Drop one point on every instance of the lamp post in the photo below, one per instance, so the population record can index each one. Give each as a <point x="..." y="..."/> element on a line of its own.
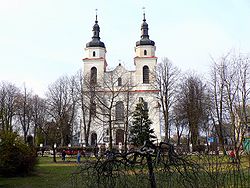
<point x="69" y="146"/>
<point x="54" y="152"/>
<point x="41" y="148"/>
<point x="99" y="150"/>
<point x="120" y="147"/>
<point x="191" y="148"/>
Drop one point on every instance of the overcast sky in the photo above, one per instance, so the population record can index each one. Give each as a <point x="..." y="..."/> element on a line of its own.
<point x="40" y="40"/>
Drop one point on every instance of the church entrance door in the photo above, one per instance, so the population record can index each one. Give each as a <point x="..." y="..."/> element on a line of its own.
<point x="119" y="136"/>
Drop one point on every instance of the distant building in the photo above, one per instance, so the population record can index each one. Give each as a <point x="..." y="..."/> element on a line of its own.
<point x="139" y="83"/>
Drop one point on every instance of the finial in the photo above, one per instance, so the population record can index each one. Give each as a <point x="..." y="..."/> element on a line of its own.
<point x="96" y="15"/>
<point x="143" y="8"/>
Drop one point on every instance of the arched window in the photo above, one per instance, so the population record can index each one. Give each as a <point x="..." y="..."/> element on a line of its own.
<point x="145" y="74"/>
<point x="93" y="53"/>
<point x="93" y="140"/>
<point x="119" y="81"/>
<point x="93" y="75"/>
<point x="119" y="111"/>
<point x="93" y="109"/>
<point x="145" y="105"/>
<point x="145" y="52"/>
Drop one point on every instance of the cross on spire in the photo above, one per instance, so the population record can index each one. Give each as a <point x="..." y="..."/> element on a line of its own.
<point x="96" y="15"/>
<point x="143" y="8"/>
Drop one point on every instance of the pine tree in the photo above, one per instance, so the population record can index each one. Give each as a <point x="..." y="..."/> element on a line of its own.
<point x="140" y="130"/>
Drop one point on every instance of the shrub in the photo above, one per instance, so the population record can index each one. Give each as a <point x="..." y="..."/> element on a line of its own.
<point x="16" y="158"/>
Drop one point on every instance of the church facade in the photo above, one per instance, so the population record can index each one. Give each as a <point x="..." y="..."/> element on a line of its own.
<point x="118" y="91"/>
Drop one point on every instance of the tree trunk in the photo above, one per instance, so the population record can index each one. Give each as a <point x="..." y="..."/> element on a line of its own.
<point x="151" y="171"/>
<point x="110" y="131"/>
<point x="166" y="117"/>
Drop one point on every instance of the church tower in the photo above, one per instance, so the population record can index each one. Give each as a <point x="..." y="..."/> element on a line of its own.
<point x="145" y="63"/>
<point x="145" y="60"/>
<point x="95" y="56"/>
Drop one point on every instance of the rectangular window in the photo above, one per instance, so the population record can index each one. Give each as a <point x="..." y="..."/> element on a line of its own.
<point x="93" y="109"/>
<point x="145" y="106"/>
<point x="120" y="81"/>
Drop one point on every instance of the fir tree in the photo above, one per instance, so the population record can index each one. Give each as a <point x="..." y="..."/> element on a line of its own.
<point x="140" y="130"/>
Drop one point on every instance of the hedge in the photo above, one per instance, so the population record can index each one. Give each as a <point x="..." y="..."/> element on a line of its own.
<point x="17" y="158"/>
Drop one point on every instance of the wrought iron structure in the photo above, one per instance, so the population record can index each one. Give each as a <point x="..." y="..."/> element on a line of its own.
<point x="158" y="166"/>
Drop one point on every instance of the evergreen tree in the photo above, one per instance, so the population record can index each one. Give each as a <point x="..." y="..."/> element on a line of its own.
<point x="140" y="130"/>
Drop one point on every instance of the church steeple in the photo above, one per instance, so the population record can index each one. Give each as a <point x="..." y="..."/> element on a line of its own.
<point x="96" y="29"/>
<point x="144" y="34"/>
<point x="96" y="36"/>
<point x="144" y="28"/>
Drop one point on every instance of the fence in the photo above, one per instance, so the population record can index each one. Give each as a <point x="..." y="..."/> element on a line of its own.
<point x="160" y="166"/>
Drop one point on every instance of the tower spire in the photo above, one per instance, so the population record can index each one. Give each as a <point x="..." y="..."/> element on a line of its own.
<point x="144" y="19"/>
<point x="96" y="21"/>
<point x="144" y="33"/>
<point x="96" y="35"/>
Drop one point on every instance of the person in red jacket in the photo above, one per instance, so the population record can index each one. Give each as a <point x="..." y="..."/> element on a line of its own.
<point x="232" y="155"/>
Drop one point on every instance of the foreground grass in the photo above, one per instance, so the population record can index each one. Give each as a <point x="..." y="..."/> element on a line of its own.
<point x="47" y="174"/>
<point x="197" y="171"/>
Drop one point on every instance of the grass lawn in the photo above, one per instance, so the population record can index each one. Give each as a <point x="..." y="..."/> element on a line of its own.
<point x="47" y="174"/>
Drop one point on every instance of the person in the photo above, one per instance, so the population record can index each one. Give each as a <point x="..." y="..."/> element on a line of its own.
<point x="63" y="155"/>
<point x="43" y="151"/>
<point x="232" y="155"/>
<point x="78" y="157"/>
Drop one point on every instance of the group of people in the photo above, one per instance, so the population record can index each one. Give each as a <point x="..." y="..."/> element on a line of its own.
<point x="78" y="156"/>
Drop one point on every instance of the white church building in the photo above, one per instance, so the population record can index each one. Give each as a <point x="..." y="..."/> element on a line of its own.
<point x="121" y="89"/>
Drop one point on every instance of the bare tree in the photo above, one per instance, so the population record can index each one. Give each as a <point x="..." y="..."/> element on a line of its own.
<point x="61" y="107"/>
<point x="74" y="111"/>
<point x="242" y="101"/>
<point x="25" y="111"/>
<point x="86" y="101"/>
<point x="237" y="93"/>
<point x="230" y="94"/>
<point x="167" y="81"/>
<point x="179" y="121"/>
<point x="218" y="95"/>
<point x="40" y="116"/>
<point x="192" y="104"/>
<point x="244" y="91"/>
<point x="8" y="101"/>
<point x="129" y="103"/>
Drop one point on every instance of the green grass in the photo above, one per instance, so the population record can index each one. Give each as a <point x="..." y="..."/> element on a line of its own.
<point x="47" y="174"/>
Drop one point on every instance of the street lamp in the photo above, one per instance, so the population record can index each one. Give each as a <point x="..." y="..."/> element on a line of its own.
<point x="41" y="148"/>
<point x="54" y="152"/>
